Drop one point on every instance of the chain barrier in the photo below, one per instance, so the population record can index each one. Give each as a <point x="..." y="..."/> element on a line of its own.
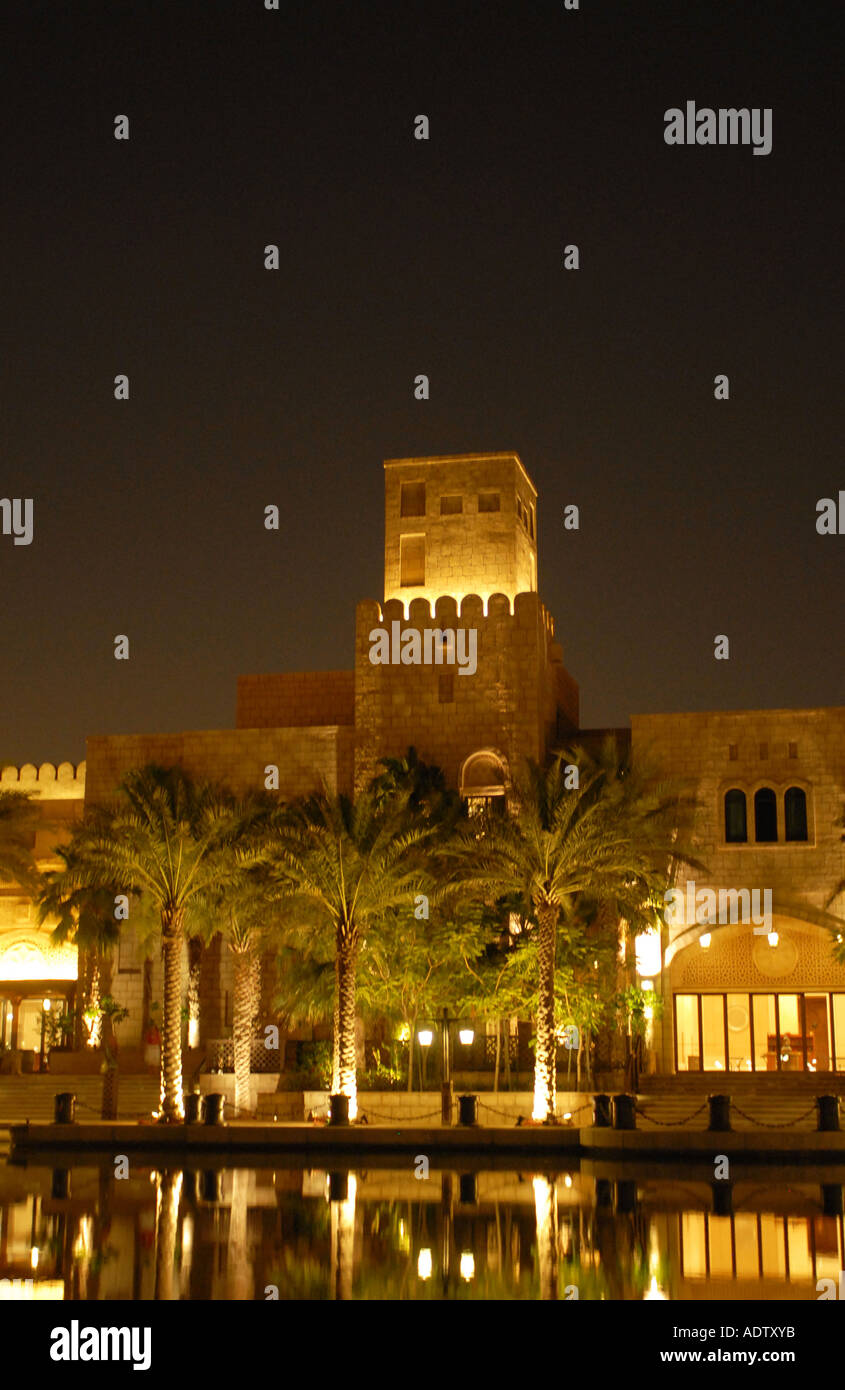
<point x="774" y="1124"/>
<point x="669" y="1124"/>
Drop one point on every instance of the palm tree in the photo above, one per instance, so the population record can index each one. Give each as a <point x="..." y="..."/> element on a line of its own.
<point x="175" y="843"/>
<point x="348" y="862"/>
<point x="84" y="919"/>
<point x="608" y="837"/>
<point x="19" y="818"/>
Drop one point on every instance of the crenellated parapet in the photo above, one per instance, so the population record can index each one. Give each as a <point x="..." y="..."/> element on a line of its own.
<point x="452" y="675"/>
<point x="62" y="783"/>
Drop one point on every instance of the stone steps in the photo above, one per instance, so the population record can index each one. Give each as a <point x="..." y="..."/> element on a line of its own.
<point x="32" y="1097"/>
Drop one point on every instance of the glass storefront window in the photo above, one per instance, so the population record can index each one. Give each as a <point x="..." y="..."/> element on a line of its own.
<point x="713" y="1031"/>
<point x="791" y="1033"/>
<point x="760" y="1032"/>
<point x="839" y="1030"/>
<point x="686" y="1032"/>
<point x="739" y="1033"/>
<point x="765" y="1032"/>
<point x="817" y="1029"/>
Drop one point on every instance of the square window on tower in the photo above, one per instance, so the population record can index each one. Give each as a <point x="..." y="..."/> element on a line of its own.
<point x="489" y="502"/>
<point x="412" y="501"/>
<point x="451" y="506"/>
<point x="411" y="561"/>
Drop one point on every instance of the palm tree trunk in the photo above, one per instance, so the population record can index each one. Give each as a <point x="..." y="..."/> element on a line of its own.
<point x="244" y="1012"/>
<point x="545" y="1080"/>
<point x="172" y="1110"/>
<point x="344" y="1071"/>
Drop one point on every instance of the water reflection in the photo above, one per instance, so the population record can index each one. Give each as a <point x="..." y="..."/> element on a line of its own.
<point x="291" y="1232"/>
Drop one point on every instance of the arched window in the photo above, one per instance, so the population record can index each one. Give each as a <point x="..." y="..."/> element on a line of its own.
<point x="765" y="816"/>
<point x="483" y="783"/>
<point x="795" y="813"/>
<point x="736" y="819"/>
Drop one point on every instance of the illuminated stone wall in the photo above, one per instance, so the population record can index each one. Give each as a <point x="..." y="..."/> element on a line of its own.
<point x="709" y="754"/>
<point x="470" y="552"/>
<point x="519" y="701"/>
<point x="58" y="793"/>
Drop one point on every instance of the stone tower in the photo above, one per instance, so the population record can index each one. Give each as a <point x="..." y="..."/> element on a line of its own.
<point x="459" y="524"/>
<point x="460" y="553"/>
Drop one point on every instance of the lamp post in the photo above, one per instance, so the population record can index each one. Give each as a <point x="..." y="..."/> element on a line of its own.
<point x="446" y="1073"/>
<point x="45" y="1009"/>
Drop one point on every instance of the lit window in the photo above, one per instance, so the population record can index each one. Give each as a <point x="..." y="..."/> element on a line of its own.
<point x="795" y="813"/>
<point x="411" y="561"/>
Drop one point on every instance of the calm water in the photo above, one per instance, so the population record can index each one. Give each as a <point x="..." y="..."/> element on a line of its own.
<point x="383" y="1233"/>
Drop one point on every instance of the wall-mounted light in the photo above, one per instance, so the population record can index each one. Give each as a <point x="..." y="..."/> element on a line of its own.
<point x="704" y="941"/>
<point x="773" y="938"/>
<point x="466" y="1036"/>
<point x="467" y="1265"/>
<point x="424" y="1264"/>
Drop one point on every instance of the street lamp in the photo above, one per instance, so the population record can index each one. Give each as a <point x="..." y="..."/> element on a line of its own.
<point x="45" y="1007"/>
<point x="467" y="1036"/>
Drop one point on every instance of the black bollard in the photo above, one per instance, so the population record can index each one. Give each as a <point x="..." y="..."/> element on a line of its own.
<point x="193" y="1108"/>
<point x="720" y="1113"/>
<point x="64" y="1111"/>
<point x="214" y="1105"/>
<point x="601" y="1112"/>
<point x="468" y="1190"/>
<point x="723" y="1198"/>
<point x="828" y="1118"/>
<point x="467" y="1110"/>
<point x="338" y="1110"/>
<point x="624" y="1112"/>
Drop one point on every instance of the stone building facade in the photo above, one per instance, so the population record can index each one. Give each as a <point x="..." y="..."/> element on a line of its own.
<point x="461" y="576"/>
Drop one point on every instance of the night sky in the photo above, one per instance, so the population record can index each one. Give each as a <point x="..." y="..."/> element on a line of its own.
<point x="398" y="257"/>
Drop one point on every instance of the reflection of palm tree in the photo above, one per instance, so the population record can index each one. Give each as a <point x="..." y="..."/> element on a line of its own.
<point x="545" y="1206"/>
<point x="168" y="1192"/>
<point x="238" y="1280"/>
<point x="343" y="1242"/>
